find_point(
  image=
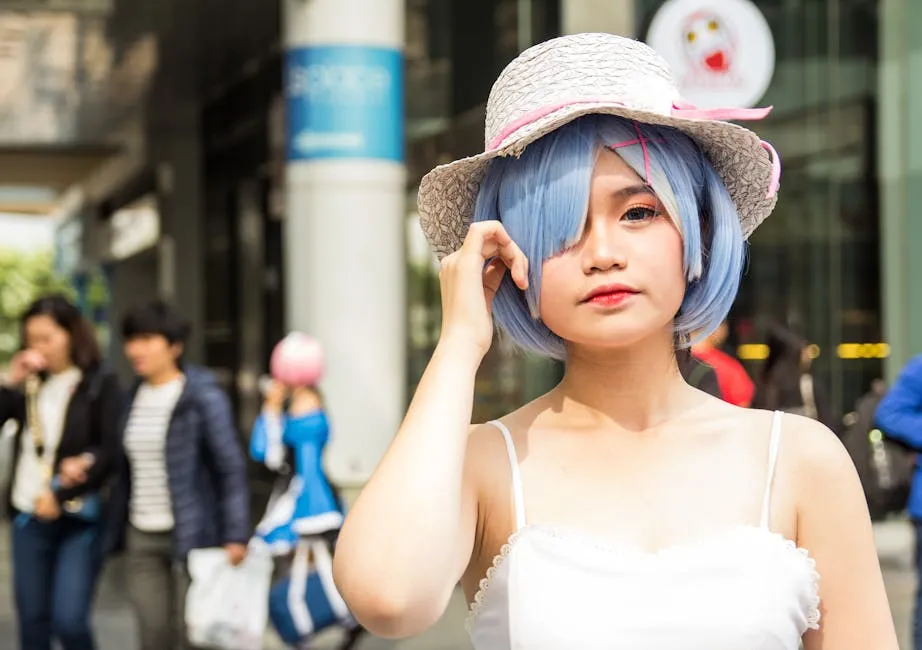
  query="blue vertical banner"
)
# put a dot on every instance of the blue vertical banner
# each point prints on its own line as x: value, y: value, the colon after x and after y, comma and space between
x: 344, y: 101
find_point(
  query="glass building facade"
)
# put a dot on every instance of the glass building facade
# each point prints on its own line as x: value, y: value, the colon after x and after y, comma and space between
x: 815, y: 263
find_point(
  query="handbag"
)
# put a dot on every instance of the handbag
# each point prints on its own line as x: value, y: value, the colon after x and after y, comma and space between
x: 87, y: 507
x: 306, y: 601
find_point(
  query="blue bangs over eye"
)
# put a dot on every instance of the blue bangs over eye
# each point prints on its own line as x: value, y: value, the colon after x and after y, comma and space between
x: 542, y: 199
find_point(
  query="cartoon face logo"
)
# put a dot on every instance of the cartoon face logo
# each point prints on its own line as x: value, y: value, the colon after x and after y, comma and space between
x: 707, y: 42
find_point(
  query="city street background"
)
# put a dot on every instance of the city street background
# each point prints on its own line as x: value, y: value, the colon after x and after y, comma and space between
x: 116, y: 628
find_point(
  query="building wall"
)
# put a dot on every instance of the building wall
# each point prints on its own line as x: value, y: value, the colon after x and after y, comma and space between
x: 900, y: 173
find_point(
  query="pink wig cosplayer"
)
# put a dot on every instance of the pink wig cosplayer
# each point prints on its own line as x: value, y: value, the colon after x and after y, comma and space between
x: 297, y: 360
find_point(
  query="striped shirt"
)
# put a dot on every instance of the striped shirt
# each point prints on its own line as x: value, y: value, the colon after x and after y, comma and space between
x: 145, y: 443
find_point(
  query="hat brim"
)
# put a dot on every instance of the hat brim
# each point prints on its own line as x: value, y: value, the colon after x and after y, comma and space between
x: 447, y: 194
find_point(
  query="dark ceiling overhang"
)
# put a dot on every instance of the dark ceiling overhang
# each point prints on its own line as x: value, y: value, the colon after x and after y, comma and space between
x: 50, y: 167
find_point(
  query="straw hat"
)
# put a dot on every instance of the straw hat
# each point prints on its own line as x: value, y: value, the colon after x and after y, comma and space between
x: 555, y: 82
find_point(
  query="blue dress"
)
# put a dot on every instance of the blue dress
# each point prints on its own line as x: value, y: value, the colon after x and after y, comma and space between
x: 308, y: 506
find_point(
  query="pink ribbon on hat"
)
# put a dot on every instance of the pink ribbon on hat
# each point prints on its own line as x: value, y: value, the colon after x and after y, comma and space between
x: 685, y: 110
x: 680, y: 109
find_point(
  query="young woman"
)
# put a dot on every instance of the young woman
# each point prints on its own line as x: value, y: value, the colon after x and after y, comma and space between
x: 65, y: 452
x: 302, y: 522
x: 623, y: 509
x: 786, y: 383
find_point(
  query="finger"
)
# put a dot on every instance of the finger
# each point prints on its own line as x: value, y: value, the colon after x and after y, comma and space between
x: 488, y: 239
x: 518, y: 264
x: 484, y: 231
x: 493, y: 273
x: 515, y: 260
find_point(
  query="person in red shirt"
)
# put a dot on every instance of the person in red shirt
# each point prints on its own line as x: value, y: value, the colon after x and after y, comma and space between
x: 735, y: 385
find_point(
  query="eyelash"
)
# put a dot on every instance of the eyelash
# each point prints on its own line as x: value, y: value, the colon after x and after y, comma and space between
x: 649, y: 213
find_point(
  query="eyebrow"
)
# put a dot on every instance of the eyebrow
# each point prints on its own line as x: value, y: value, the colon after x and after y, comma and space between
x: 633, y: 190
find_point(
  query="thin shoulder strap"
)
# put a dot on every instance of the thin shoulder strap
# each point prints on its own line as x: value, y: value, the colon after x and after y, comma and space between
x: 773, y: 446
x: 518, y: 497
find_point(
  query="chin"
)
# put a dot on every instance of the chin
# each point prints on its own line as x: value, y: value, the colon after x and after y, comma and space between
x: 614, y: 335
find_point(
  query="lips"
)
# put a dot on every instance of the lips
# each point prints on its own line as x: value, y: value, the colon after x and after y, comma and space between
x: 610, y: 295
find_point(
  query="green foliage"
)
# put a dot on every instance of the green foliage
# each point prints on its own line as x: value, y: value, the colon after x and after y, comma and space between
x: 97, y: 290
x: 24, y: 277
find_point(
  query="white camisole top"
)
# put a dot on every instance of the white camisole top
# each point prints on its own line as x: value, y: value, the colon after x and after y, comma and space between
x: 552, y: 588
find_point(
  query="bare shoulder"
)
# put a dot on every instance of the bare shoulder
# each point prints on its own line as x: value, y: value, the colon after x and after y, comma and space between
x: 486, y: 461
x: 484, y: 442
x: 821, y: 474
x: 834, y: 526
x: 807, y: 445
x: 814, y: 452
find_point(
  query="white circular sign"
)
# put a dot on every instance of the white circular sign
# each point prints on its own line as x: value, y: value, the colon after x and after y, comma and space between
x: 721, y: 52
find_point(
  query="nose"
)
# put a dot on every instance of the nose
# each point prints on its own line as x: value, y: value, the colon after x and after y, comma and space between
x: 602, y: 248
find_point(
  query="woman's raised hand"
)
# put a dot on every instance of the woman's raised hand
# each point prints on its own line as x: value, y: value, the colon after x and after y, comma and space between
x: 470, y: 278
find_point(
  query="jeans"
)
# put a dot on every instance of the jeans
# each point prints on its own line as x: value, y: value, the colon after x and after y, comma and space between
x: 157, y: 586
x: 917, y: 613
x: 55, y: 567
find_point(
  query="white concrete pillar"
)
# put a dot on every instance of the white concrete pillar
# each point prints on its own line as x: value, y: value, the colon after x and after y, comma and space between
x: 344, y: 244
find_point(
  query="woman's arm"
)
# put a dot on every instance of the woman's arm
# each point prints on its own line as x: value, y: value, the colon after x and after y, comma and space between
x: 266, y: 439
x: 410, y: 535
x: 229, y: 464
x: 266, y: 445
x: 899, y: 413
x: 105, y: 419
x: 834, y: 526
x: 12, y: 398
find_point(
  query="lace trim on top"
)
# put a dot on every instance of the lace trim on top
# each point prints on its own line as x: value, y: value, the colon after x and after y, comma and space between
x: 483, y: 588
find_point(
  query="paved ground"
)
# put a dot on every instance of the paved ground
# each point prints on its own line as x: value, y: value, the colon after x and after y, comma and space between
x: 115, y: 623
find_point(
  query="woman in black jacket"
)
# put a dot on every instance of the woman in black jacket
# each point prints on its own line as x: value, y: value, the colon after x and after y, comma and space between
x: 69, y: 409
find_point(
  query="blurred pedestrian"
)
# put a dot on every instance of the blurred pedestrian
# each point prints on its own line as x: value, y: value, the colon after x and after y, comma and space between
x: 885, y: 466
x: 786, y: 382
x: 68, y: 407
x: 182, y: 482
x: 602, y: 226
x: 303, y: 520
x: 899, y: 414
x: 735, y: 385
x: 698, y: 373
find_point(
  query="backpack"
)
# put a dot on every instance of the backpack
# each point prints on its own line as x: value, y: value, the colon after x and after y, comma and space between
x: 885, y: 466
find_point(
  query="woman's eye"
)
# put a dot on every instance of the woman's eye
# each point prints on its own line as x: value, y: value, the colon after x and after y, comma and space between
x: 639, y: 214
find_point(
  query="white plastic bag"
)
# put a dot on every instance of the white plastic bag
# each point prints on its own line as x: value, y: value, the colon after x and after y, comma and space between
x: 227, y: 607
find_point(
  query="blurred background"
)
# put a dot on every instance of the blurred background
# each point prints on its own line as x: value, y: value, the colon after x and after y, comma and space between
x: 187, y: 149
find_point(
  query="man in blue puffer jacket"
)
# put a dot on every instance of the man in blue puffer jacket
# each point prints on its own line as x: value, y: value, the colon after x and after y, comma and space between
x: 900, y: 415
x: 182, y: 483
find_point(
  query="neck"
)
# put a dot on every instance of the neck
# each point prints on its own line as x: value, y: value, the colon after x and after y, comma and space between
x: 164, y: 377
x: 304, y: 400
x: 638, y: 387
x: 703, y: 346
x: 57, y: 370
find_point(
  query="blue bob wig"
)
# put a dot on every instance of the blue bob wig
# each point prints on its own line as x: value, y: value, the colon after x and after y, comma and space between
x: 542, y: 200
